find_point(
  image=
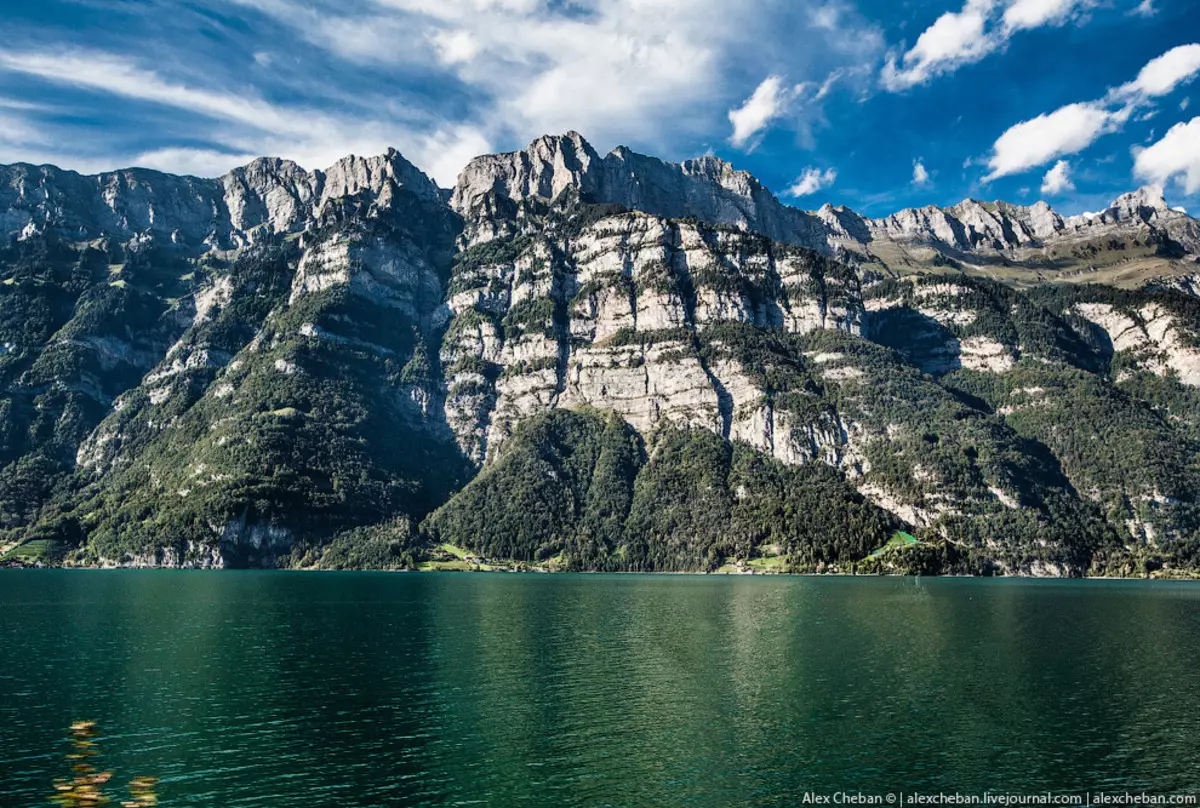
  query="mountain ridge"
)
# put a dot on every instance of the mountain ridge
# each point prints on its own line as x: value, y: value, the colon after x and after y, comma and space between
x: 281, y: 194
x: 352, y: 367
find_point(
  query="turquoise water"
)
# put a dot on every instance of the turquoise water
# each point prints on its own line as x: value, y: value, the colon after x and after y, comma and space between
x: 365, y: 689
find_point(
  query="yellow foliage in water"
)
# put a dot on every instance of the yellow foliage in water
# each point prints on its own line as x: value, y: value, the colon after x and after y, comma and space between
x: 85, y: 787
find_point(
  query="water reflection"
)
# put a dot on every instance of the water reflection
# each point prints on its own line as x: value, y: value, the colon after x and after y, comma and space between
x: 271, y: 689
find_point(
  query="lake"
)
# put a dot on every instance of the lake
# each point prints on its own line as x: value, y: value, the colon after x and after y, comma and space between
x: 365, y: 689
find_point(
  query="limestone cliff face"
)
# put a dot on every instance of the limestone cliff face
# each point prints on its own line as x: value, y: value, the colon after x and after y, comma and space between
x: 942, y: 324
x: 1150, y: 336
x: 560, y: 299
x: 612, y: 314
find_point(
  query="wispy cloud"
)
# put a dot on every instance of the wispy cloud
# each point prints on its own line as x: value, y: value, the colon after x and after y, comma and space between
x: 610, y: 68
x: 1145, y: 8
x: 243, y: 124
x: 769, y: 100
x: 119, y: 76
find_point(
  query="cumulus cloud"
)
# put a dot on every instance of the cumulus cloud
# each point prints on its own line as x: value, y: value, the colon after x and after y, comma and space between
x: 767, y: 103
x: 954, y: 39
x: 1058, y: 179
x: 1072, y: 128
x: 812, y: 180
x: 1175, y: 156
x: 920, y: 177
x: 1032, y: 143
x: 958, y: 38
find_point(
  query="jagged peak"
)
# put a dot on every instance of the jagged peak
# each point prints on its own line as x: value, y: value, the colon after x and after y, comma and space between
x: 544, y: 168
x: 569, y: 141
x: 266, y: 166
x: 353, y: 173
x: 711, y: 161
x: 1148, y: 196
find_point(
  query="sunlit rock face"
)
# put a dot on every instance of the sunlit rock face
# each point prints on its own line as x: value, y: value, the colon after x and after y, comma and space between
x: 612, y: 314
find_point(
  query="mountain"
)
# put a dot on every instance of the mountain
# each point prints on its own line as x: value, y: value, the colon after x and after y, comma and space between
x: 586, y: 362
x: 1138, y: 236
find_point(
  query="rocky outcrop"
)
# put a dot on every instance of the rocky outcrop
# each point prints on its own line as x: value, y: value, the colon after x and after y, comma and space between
x: 197, y: 215
x: 1151, y: 337
x: 1026, y: 233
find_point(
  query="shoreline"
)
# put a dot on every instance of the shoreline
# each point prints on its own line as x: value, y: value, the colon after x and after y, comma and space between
x: 1190, y: 578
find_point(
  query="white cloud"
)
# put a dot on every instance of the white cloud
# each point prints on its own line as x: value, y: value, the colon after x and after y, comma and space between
x: 447, y: 152
x: 920, y: 177
x: 455, y: 47
x: 368, y: 37
x: 613, y: 69
x: 1183, y: 105
x: 1058, y: 179
x: 833, y: 78
x: 961, y: 37
x: 196, y: 162
x: 17, y: 128
x: 1179, y: 209
x: 1144, y: 9
x: 1023, y: 14
x: 954, y: 39
x: 1176, y: 155
x: 119, y: 76
x: 812, y: 180
x: 1035, y: 142
x: 661, y: 73
x: 767, y: 103
x: 1163, y: 74
x: 826, y: 17
x: 1074, y: 127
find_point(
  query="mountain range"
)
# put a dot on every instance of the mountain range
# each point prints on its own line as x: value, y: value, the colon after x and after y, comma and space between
x: 586, y: 362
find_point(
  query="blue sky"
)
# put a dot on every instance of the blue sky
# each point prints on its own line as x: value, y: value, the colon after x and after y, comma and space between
x: 876, y: 104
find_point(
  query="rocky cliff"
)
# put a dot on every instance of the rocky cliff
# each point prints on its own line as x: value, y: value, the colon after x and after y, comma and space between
x: 292, y: 367
x: 1138, y: 226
